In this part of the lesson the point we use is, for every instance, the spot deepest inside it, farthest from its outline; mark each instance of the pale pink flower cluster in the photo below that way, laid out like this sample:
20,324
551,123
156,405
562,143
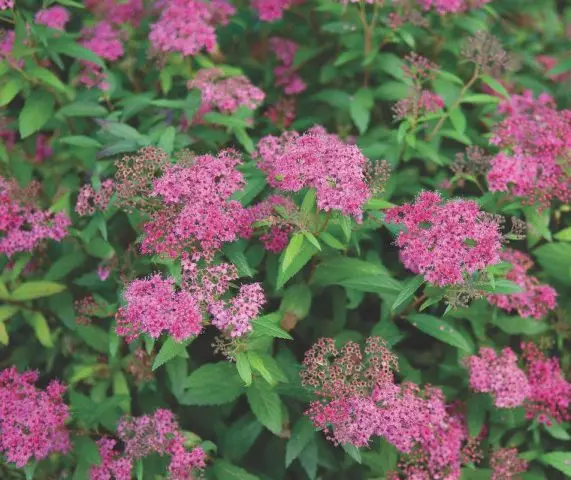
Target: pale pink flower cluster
500,376
154,306
188,26
142,436
118,12
442,7
317,160
22,225
506,465
418,104
225,94
536,139
286,76
88,200
360,400
198,210
53,17
32,421
535,300
444,241
540,386
104,40
235,315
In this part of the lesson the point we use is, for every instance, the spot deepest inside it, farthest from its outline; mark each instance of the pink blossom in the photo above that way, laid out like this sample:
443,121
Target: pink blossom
160,433
535,300
112,466
317,160
117,11
22,225
199,212
548,62
153,307
43,148
53,17
282,113
103,272
270,10
88,200
506,465
442,7
286,76
536,139
6,4
32,421
7,133
550,393
104,40
499,376
418,104
7,39
236,315
225,94
187,26
445,241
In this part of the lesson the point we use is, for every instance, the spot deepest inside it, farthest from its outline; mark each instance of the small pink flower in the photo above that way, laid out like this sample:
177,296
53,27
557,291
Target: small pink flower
53,17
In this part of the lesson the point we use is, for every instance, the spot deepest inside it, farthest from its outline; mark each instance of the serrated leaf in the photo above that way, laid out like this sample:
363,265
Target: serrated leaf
559,460
266,405
169,350
291,251
441,330
39,289
360,109
244,368
257,363
224,470
353,452
306,252
86,450
268,325
301,435
496,86
408,291
213,384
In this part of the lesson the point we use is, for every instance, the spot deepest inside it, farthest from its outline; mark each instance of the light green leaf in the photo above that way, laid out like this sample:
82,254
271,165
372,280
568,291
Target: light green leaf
80,141
166,141
353,452
495,85
441,330
291,251
37,110
33,290
407,293
257,363
41,328
268,325
360,109
559,460
224,470
244,368
305,253
330,240
213,384
9,90
266,405
169,350
7,311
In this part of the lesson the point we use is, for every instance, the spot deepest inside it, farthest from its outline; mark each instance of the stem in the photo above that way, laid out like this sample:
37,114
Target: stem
367,40
455,104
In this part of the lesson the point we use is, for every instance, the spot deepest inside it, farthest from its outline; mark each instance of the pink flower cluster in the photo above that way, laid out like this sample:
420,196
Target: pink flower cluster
6,4
536,139
32,421
104,40
117,11
540,386
158,433
188,26
7,39
317,160
445,241
225,94
198,211
442,7
359,400
285,73
270,10
418,104
282,113
53,17
43,148
154,306
506,465
235,316
535,300
548,62
88,200
23,226
500,376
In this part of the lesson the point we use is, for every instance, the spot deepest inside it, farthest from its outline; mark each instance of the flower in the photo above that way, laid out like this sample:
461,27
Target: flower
506,465
442,7
117,11
270,10
285,51
317,160
88,200
225,94
32,421
535,299
112,466
53,17
445,241
153,307
6,4
500,376
187,26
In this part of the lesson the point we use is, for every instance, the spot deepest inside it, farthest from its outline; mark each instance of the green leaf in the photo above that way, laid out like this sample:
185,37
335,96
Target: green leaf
213,384
94,336
480,98
557,431
40,325
166,142
559,460
555,258
37,110
4,337
297,300
306,252
477,407
268,326
257,363
86,450
330,240
360,109
169,350
353,452
9,90
515,325
441,330
495,85
244,139
224,470
48,77
235,253
392,91
301,435
564,235
503,287
7,311
244,368
408,291
291,251
308,459
68,47
458,119
80,141
240,437
82,109
33,290
266,405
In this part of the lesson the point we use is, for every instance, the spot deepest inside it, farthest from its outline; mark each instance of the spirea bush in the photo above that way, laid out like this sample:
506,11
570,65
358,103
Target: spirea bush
285,239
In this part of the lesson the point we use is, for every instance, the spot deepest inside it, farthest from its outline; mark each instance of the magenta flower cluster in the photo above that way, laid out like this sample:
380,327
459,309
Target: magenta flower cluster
286,76
89,200
535,139
540,386
6,4
444,241
53,17
360,400
32,421
535,300
117,11
317,160
270,10
188,26
442,7
23,226
225,94
158,433
104,40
